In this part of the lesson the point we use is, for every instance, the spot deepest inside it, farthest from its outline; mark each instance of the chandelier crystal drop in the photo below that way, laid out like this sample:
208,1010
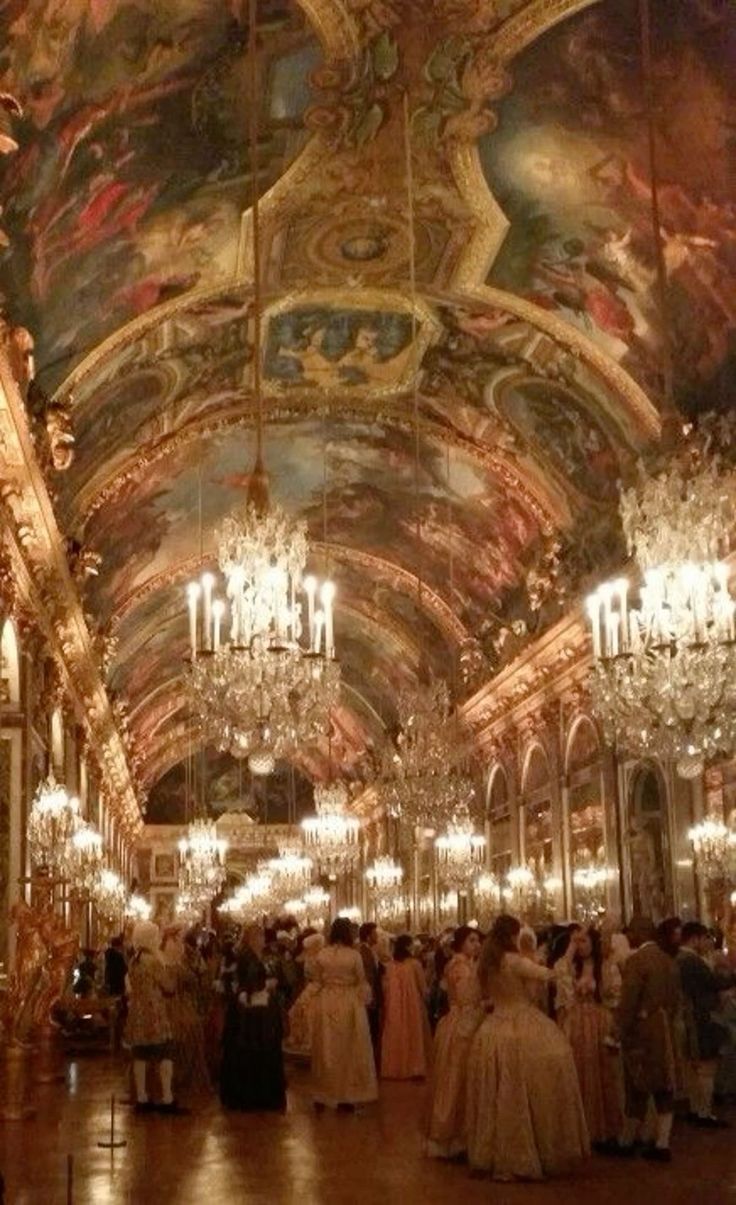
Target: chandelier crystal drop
201,863
421,784
332,836
590,883
714,846
53,818
487,894
385,878
460,852
664,681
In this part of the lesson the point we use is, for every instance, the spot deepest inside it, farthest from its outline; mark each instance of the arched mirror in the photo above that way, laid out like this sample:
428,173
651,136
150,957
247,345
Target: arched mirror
536,814
651,888
498,813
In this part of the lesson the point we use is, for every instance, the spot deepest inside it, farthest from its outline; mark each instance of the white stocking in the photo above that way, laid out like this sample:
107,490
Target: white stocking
664,1129
166,1071
705,1082
139,1078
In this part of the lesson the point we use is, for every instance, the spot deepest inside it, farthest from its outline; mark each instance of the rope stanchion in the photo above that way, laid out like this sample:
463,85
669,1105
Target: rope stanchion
112,1143
70,1180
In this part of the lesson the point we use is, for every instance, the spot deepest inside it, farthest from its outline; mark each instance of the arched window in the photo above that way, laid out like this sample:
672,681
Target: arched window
57,743
584,798
499,820
651,889
9,666
536,813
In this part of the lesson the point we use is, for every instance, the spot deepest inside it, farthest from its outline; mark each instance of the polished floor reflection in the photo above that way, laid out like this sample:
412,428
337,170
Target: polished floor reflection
211,1158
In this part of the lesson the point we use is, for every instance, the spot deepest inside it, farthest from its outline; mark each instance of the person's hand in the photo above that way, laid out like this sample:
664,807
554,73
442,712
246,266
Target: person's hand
271,983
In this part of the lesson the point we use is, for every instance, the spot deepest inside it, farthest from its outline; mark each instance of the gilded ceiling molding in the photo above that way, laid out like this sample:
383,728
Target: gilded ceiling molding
526,26
335,26
44,558
539,496
637,408
544,672
386,572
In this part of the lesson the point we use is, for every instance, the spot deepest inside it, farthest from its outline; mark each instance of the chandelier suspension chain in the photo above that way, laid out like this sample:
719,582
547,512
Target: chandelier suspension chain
253,126
645,19
409,173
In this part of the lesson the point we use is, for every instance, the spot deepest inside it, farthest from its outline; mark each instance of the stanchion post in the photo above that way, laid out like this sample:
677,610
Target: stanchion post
113,1143
70,1180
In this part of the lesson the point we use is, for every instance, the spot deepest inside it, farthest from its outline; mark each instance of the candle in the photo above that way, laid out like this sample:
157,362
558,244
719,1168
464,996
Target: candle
327,596
613,625
218,610
594,612
623,590
193,592
310,586
319,620
606,594
208,582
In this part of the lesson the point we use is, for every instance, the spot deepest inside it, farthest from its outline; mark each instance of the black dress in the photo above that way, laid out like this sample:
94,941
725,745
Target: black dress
252,1076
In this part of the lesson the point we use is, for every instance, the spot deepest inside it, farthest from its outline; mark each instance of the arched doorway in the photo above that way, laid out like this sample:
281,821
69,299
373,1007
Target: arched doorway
650,885
498,815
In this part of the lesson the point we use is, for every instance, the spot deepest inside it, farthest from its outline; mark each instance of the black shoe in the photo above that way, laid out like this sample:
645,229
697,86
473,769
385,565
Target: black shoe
657,1154
172,1109
345,1108
692,1119
711,1123
144,1106
615,1149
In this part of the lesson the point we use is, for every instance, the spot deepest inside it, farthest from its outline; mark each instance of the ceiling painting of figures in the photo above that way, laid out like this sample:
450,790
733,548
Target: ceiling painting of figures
224,784
569,165
133,171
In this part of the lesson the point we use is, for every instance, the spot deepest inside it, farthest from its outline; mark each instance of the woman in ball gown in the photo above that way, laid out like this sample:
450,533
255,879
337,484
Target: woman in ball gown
588,992
447,1137
525,1116
301,1013
252,1073
185,1015
406,1038
343,1069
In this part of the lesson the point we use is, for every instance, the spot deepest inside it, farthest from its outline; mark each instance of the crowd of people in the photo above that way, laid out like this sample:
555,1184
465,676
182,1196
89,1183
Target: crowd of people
535,1046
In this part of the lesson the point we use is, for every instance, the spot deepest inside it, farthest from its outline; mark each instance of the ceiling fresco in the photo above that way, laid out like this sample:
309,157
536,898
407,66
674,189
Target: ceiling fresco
569,165
527,351
133,172
225,785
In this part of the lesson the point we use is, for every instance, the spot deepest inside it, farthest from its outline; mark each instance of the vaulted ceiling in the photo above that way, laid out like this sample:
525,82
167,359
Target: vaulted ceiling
530,349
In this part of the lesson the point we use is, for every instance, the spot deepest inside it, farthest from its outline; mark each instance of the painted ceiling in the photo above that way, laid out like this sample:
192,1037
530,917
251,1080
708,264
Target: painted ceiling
528,356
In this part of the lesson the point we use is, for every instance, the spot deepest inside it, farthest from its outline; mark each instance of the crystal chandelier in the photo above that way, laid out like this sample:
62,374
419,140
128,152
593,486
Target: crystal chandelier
520,890
664,681
86,858
291,872
384,877
714,846
589,883
459,852
109,895
137,908
317,904
201,863
52,821
487,894
420,782
263,676
332,836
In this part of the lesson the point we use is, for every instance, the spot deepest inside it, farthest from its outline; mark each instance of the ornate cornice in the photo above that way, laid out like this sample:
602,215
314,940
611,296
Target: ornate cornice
544,672
41,552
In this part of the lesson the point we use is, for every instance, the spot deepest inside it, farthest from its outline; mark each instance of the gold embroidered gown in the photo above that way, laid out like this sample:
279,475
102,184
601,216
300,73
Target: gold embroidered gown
525,1116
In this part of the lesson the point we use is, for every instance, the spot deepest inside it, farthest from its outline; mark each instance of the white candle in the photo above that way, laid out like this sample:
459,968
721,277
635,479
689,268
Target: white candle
327,596
623,590
218,610
594,612
310,586
613,625
208,582
606,593
193,596
319,620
